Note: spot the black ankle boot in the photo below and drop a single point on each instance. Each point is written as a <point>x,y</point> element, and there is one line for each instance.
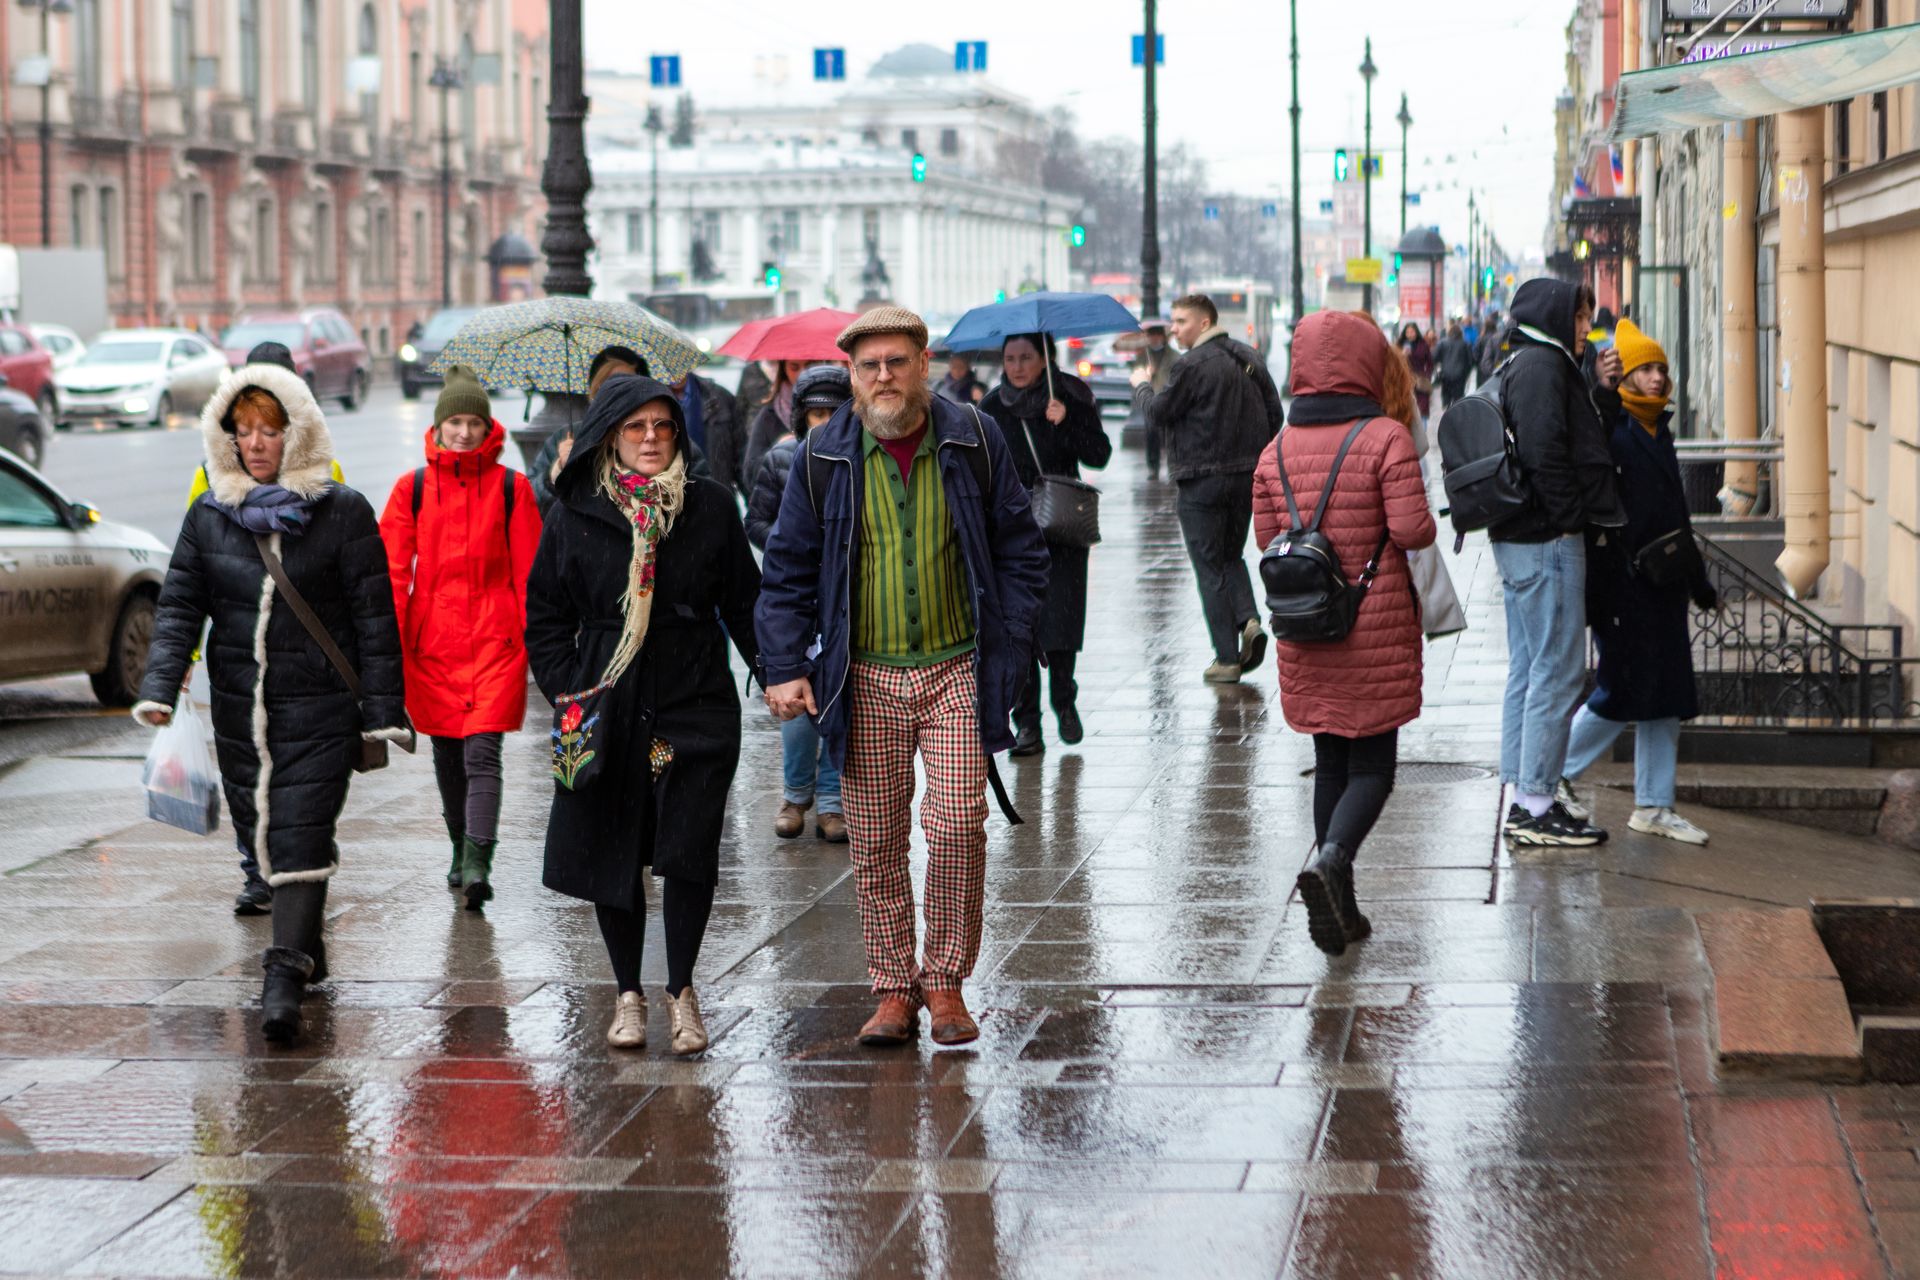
<point>319,974</point>
<point>1320,886</point>
<point>1027,740</point>
<point>287,974</point>
<point>1358,927</point>
<point>1071,730</point>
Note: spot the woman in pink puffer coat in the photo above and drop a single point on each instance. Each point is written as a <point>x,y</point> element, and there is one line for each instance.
<point>1352,695</point>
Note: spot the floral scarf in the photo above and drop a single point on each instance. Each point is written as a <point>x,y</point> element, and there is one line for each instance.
<point>651,506</point>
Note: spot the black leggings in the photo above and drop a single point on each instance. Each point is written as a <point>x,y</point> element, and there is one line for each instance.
<point>468,771</point>
<point>684,908</point>
<point>1352,778</point>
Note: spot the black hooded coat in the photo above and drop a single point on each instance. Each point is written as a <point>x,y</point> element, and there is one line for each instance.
<point>679,689</point>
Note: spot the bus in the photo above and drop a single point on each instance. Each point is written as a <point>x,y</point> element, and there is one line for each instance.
<point>1246,311</point>
<point>711,315</point>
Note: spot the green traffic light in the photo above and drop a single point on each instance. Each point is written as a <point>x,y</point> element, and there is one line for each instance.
<point>919,167</point>
<point>773,277</point>
<point>1341,167</point>
<point>1078,236</point>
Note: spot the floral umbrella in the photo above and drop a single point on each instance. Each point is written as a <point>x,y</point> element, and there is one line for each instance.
<point>547,344</point>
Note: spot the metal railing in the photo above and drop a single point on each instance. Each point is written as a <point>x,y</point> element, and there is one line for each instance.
<point>1767,457</point>
<point>1763,658</point>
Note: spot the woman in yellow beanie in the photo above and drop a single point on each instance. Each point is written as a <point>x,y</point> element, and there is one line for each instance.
<point>1638,588</point>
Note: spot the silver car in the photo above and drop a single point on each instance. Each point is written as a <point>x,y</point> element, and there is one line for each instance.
<point>64,344</point>
<point>134,377</point>
<point>77,593</point>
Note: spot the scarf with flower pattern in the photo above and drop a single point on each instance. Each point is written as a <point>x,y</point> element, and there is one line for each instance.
<point>651,505</point>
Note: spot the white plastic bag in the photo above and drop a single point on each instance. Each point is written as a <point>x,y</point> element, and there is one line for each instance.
<point>182,781</point>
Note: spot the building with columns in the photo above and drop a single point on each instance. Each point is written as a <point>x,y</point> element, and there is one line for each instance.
<point>234,155</point>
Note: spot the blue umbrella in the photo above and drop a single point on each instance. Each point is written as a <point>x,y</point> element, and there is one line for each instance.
<point>1063,315</point>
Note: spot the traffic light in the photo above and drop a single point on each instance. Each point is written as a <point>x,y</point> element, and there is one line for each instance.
<point>1077,236</point>
<point>770,274</point>
<point>919,167</point>
<point>1393,276</point>
<point>1341,166</point>
<point>1486,280</point>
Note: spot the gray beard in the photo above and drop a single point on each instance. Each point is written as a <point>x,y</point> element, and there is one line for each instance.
<point>896,424</point>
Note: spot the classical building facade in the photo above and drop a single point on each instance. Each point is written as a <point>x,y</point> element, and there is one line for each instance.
<point>235,155</point>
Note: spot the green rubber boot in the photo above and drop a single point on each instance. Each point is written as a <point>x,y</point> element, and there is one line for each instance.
<point>476,864</point>
<point>453,871</point>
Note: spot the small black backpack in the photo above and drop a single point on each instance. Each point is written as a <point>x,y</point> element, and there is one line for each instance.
<point>1309,599</point>
<point>1479,460</point>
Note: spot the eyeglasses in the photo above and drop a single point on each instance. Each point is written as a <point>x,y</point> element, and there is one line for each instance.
<point>646,430</point>
<point>870,369</point>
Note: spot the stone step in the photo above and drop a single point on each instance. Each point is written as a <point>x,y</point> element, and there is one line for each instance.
<point>1831,799</point>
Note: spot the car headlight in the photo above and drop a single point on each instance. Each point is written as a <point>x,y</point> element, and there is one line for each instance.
<point>135,404</point>
<point>705,345</point>
<point>409,354</point>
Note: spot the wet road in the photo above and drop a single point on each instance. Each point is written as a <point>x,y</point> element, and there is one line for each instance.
<point>1509,1080</point>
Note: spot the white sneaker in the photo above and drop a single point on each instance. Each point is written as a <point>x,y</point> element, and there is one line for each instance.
<point>1665,822</point>
<point>629,1029</point>
<point>1576,808</point>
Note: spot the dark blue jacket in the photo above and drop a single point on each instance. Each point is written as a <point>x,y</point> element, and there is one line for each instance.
<point>806,583</point>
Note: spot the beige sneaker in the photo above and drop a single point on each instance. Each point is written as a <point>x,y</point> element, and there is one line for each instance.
<point>1221,673</point>
<point>629,1029</point>
<point>689,1032</point>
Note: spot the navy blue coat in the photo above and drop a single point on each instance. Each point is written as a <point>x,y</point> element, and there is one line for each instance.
<point>806,583</point>
<point>1642,631</point>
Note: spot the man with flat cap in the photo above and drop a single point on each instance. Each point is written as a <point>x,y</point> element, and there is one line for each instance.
<point>898,600</point>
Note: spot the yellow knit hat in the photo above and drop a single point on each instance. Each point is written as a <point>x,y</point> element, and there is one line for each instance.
<point>1636,348</point>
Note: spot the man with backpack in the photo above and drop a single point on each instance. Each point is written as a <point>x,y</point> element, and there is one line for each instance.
<point>1560,445</point>
<point>899,597</point>
<point>1218,411</point>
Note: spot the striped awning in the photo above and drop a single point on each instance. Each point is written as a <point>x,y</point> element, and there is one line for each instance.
<point>1689,95</point>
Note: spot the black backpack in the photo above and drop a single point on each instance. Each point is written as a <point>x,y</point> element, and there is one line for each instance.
<point>1308,596</point>
<point>1480,461</point>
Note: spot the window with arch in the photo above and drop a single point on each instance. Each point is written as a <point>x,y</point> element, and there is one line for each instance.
<point>250,52</point>
<point>266,251</point>
<point>183,45</point>
<point>87,39</point>
<point>325,261</point>
<point>369,46</point>
<point>422,249</point>
<point>199,235</point>
<point>383,245</point>
<point>80,214</point>
<point>469,99</point>
<point>310,54</point>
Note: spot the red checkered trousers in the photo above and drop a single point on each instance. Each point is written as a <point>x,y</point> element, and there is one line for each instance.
<point>897,711</point>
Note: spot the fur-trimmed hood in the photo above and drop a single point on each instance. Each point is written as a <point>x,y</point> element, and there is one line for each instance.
<point>306,468</point>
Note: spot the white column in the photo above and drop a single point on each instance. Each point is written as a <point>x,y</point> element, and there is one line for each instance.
<point>829,251</point>
<point>911,287</point>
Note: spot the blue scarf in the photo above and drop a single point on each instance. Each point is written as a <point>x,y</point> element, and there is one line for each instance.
<point>270,509</point>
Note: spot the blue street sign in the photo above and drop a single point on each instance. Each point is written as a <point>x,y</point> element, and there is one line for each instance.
<point>1269,210</point>
<point>970,55</point>
<point>1413,197</point>
<point>1326,206</point>
<point>1211,213</point>
<point>664,70</point>
<point>1159,50</point>
<point>1373,165</point>
<point>829,64</point>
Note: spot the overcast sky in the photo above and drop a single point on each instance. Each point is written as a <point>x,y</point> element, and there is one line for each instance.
<point>1480,79</point>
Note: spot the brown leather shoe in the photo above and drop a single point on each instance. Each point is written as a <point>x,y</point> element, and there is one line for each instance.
<point>893,1023</point>
<point>832,828</point>
<point>790,821</point>
<point>952,1024</point>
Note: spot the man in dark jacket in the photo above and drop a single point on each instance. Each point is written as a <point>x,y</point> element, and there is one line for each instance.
<point>1542,554</point>
<point>713,423</point>
<point>1491,349</point>
<point>1218,411</point>
<point>899,596</point>
<point>1454,362</point>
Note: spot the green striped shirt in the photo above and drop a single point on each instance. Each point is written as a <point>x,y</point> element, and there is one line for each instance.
<point>913,609</point>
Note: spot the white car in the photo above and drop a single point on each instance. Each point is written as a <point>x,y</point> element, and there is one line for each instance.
<point>131,377</point>
<point>63,343</point>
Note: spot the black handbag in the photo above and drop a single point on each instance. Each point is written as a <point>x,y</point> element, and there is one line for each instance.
<point>1309,599</point>
<point>373,751</point>
<point>1067,510</point>
<point>1670,560</point>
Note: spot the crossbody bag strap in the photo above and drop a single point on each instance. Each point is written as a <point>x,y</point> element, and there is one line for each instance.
<point>304,611</point>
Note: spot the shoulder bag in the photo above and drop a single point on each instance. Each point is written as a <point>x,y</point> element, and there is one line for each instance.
<point>1067,510</point>
<point>1670,560</point>
<point>373,751</point>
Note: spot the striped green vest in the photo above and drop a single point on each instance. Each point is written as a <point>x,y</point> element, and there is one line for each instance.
<point>911,608</point>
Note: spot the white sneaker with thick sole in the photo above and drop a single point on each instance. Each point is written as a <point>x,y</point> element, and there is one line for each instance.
<point>1571,802</point>
<point>1667,823</point>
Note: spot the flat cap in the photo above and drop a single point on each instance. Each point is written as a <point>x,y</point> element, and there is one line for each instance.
<point>883,320</point>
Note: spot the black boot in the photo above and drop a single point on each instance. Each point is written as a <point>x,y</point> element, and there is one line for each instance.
<point>476,864</point>
<point>319,954</point>
<point>1319,885</point>
<point>453,870</point>
<point>1358,927</point>
<point>255,899</point>
<point>1027,740</point>
<point>287,974</point>
<point>1071,730</point>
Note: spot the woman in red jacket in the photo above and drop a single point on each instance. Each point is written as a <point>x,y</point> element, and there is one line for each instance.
<point>1353,694</point>
<point>461,533</point>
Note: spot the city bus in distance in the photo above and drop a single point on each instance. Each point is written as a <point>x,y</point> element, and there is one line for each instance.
<point>1246,311</point>
<point>710,315</point>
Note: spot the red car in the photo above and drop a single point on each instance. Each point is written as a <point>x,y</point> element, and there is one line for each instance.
<point>28,366</point>
<point>326,350</point>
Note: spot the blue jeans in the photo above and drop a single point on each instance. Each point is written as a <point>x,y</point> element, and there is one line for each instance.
<point>807,771</point>
<point>1545,586</point>
<point>1656,754</point>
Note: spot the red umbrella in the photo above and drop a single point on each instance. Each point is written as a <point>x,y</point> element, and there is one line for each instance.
<point>804,335</point>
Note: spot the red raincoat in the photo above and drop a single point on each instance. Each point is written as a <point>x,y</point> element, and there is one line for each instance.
<point>460,589</point>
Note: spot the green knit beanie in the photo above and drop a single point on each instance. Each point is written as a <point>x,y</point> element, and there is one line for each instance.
<point>462,394</point>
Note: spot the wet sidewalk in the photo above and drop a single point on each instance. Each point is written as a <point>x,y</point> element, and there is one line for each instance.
<point>1510,1080</point>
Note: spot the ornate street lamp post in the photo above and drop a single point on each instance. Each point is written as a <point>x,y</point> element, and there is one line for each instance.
<point>1150,196</point>
<point>47,9</point>
<point>447,78</point>
<point>566,178</point>
<point>654,125</point>
<point>1406,122</point>
<point>1299,289</point>
<point>1367,72</point>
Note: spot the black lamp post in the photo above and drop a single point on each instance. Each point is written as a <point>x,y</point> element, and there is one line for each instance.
<point>655,123</point>
<point>447,78</point>
<point>1367,72</point>
<point>47,9</point>
<point>566,178</point>
<point>1473,255</point>
<point>1406,122</point>
<point>1150,194</point>
<point>1299,289</point>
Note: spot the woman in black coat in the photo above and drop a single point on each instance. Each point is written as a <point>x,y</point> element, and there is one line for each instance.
<point>639,566</point>
<point>1052,424</point>
<point>1640,628</point>
<point>287,729</point>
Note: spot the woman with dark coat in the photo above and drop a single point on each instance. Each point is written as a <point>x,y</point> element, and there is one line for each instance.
<point>1419,356</point>
<point>1353,694</point>
<point>1052,425</point>
<point>640,565</point>
<point>773,419</point>
<point>1640,629</point>
<point>287,729</point>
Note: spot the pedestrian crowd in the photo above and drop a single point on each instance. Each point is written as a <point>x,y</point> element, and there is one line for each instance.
<point>917,598</point>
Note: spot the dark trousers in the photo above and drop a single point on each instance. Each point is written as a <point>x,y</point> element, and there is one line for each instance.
<point>684,908</point>
<point>1352,778</point>
<point>299,912</point>
<point>1062,690</point>
<point>468,771</point>
<point>1215,514</point>
<point>1153,449</point>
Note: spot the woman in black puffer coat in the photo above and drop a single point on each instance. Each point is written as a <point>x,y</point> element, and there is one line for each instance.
<point>287,730</point>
